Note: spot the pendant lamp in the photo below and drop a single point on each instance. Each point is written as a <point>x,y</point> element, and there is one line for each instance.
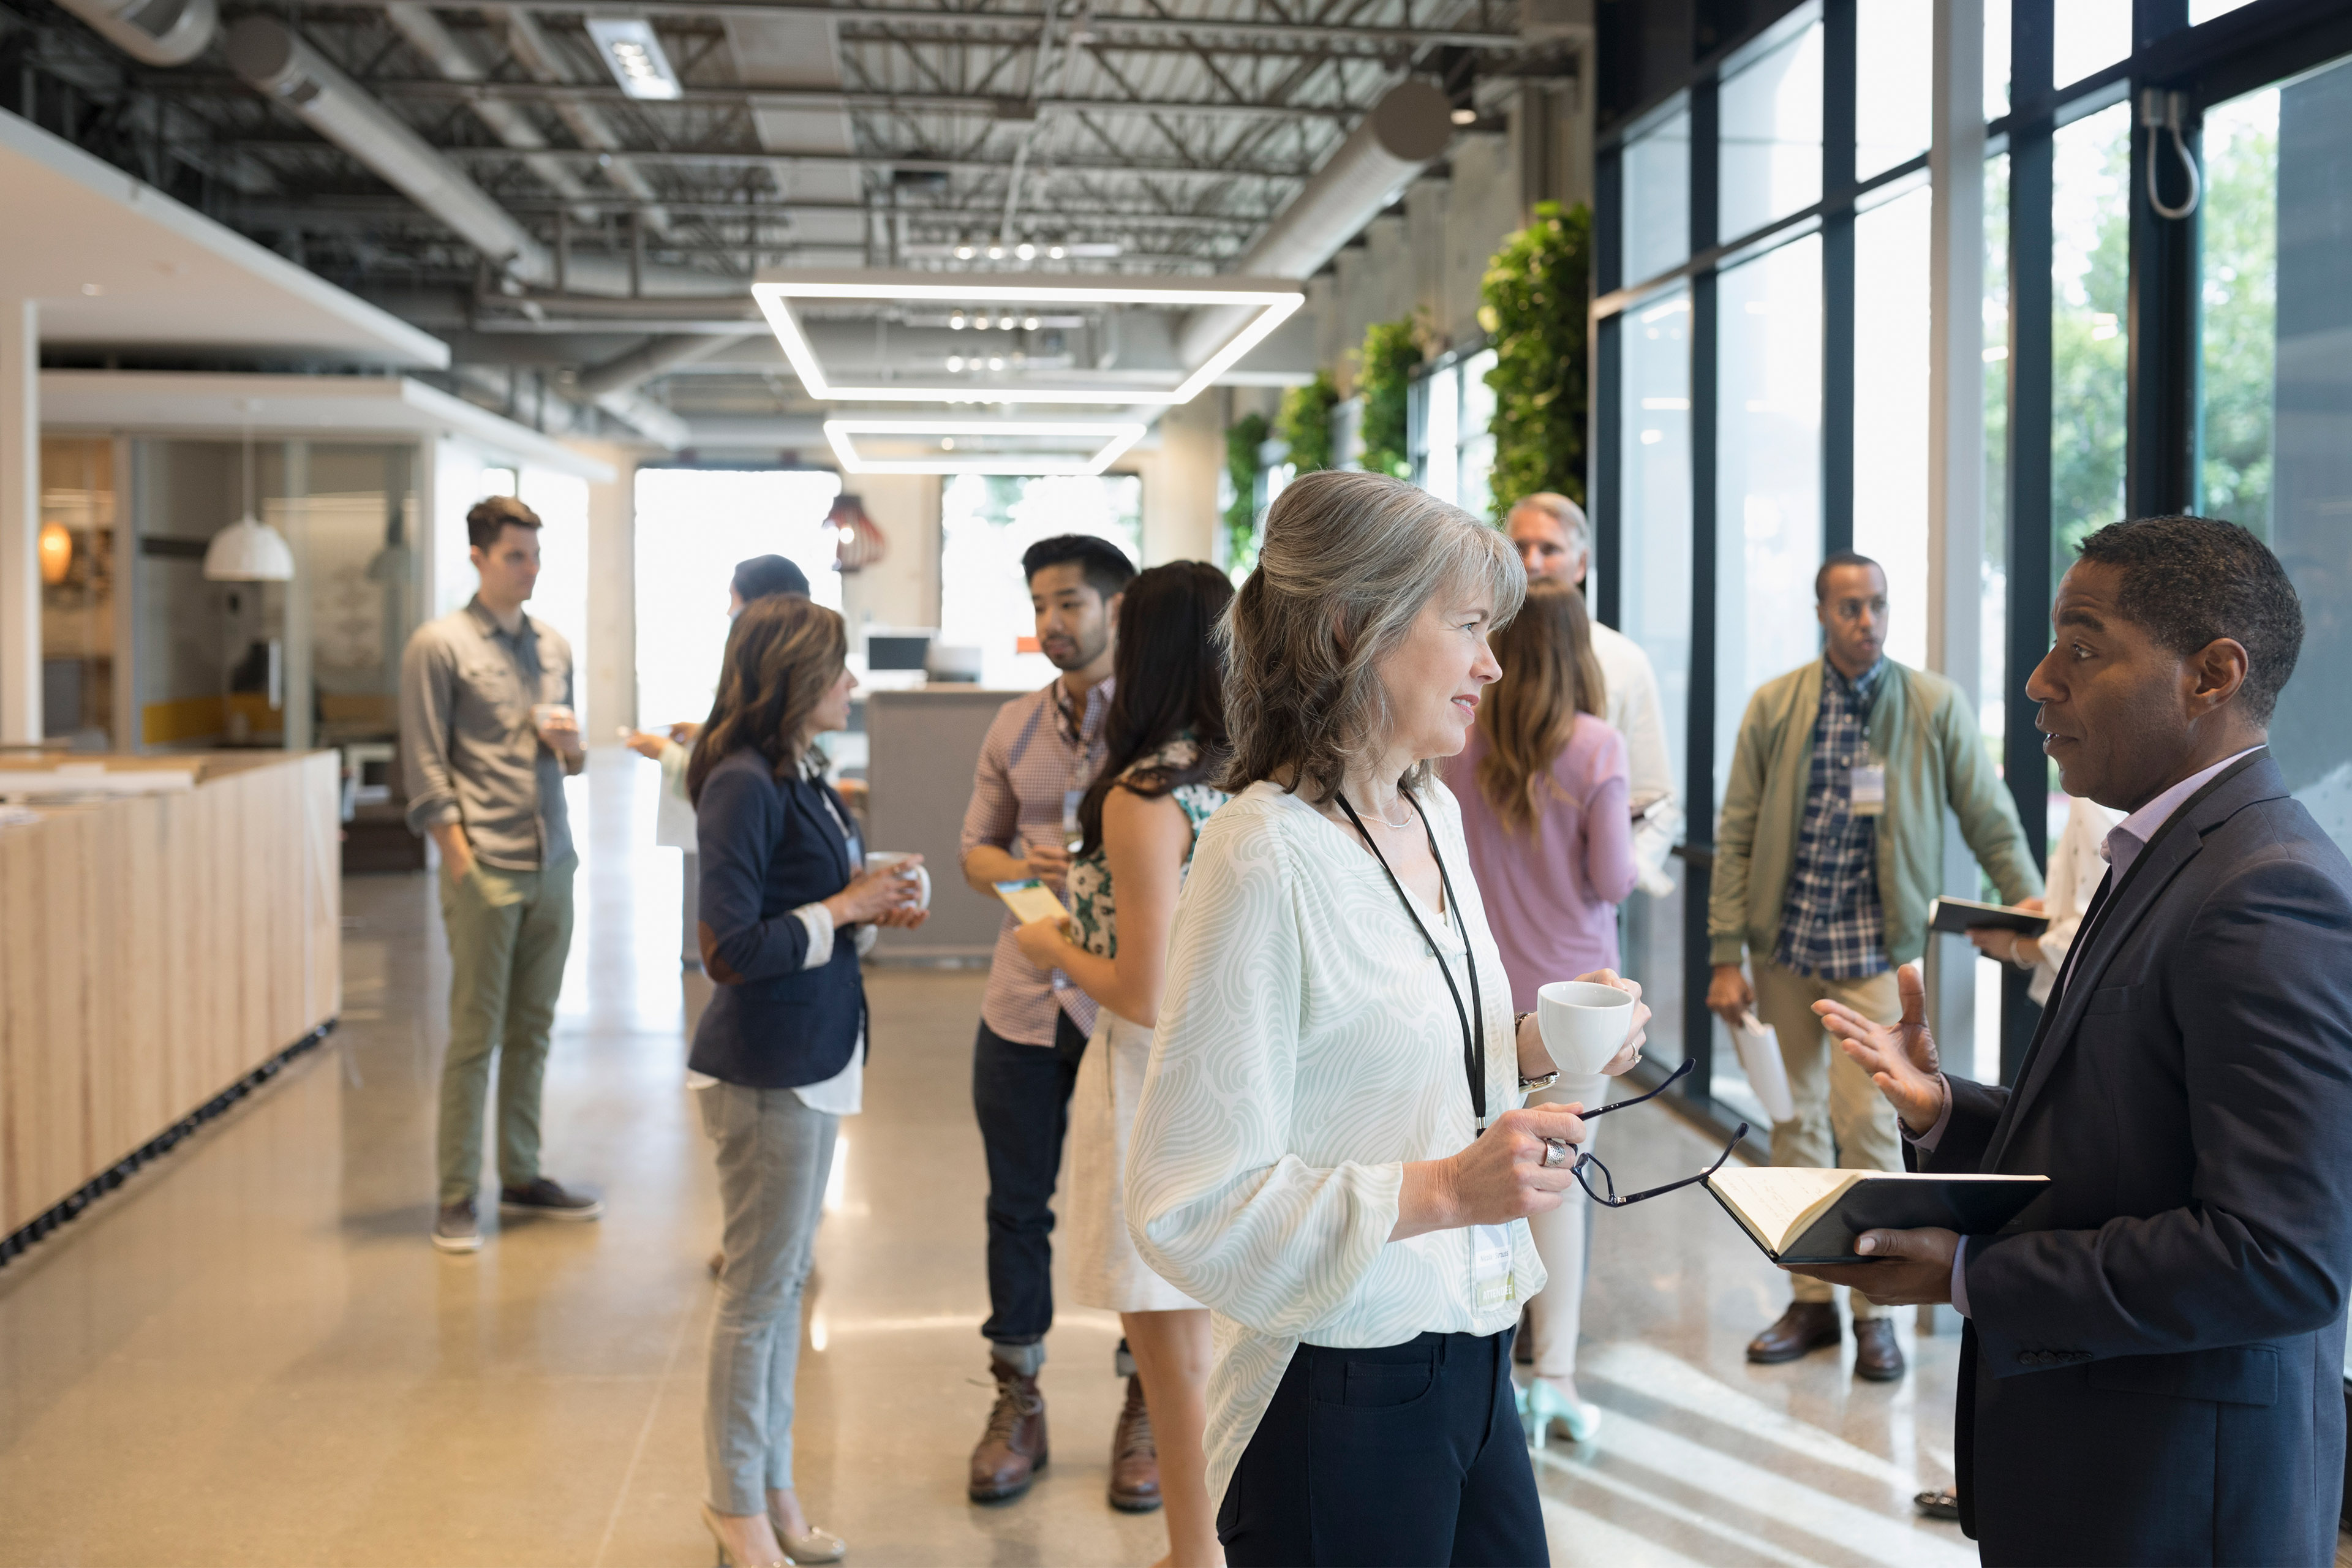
<point>248,550</point>
<point>858,543</point>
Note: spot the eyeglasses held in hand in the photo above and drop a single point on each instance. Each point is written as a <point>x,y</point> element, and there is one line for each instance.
<point>1609,1196</point>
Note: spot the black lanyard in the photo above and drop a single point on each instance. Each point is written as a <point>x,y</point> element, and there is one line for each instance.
<point>1474,1041</point>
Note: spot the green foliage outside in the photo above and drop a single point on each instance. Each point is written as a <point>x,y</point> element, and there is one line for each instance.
<point>1303,425</point>
<point>2089,363</point>
<point>1533,304</point>
<point>2241,329</point>
<point>1389,352</point>
<point>1243,439</point>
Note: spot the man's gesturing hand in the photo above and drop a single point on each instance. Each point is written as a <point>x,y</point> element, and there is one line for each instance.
<point>1900,1060</point>
<point>1917,1270</point>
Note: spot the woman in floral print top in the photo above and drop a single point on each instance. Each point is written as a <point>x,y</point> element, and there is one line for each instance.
<point>1166,734</point>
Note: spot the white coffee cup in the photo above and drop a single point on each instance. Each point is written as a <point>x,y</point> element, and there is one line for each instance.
<point>880,860</point>
<point>1583,1023</point>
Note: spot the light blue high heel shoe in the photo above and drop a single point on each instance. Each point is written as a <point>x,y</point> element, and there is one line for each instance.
<point>1540,1405</point>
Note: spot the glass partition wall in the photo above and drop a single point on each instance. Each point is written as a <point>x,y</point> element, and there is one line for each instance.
<point>1765,234</point>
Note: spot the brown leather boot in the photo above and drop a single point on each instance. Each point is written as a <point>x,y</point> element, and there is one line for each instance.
<point>1134,1457</point>
<point>1877,1357</point>
<point>1805,1327</point>
<point>1012,1450</point>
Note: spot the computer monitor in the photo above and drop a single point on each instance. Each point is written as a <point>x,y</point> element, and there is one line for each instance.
<point>897,650</point>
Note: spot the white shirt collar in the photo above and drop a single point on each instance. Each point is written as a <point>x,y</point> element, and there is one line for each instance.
<point>2135,833</point>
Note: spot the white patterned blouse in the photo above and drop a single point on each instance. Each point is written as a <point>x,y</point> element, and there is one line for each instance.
<point>1308,1049</point>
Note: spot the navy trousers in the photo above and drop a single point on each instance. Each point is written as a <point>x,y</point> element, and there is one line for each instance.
<point>1406,1453</point>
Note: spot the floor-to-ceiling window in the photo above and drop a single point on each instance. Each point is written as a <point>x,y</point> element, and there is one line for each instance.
<point>1763,362</point>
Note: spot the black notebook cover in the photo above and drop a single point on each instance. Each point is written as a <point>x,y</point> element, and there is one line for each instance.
<point>1960,916</point>
<point>1973,1205</point>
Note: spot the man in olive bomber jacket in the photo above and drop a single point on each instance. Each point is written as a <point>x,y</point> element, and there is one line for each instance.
<point>1828,850</point>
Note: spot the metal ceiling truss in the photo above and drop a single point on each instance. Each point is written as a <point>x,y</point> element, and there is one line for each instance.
<point>1170,130</point>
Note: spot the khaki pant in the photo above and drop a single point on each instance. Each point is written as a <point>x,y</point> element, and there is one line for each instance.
<point>509,933</point>
<point>1842,1118</point>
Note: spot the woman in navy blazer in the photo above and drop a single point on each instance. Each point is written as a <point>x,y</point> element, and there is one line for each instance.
<point>779,1058</point>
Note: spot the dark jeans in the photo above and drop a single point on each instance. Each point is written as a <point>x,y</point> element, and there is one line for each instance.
<point>1022,1095</point>
<point>1403,1454</point>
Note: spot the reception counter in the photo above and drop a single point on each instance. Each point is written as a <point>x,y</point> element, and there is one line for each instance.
<point>168,932</point>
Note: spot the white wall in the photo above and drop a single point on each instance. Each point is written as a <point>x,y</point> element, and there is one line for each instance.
<point>609,682</point>
<point>903,589</point>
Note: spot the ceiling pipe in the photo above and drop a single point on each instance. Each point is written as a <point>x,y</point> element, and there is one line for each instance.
<point>1403,135</point>
<point>152,32</point>
<point>654,357</point>
<point>536,53</point>
<point>508,121</point>
<point>281,65</point>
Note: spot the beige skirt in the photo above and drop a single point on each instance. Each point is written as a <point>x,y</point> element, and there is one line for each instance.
<point>1105,1271</point>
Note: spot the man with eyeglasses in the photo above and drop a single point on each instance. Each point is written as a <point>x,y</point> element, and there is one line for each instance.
<point>1830,850</point>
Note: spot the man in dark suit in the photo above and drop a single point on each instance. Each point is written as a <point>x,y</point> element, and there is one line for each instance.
<point>2150,1371</point>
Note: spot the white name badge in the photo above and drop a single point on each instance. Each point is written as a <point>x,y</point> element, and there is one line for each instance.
<point>1866,791</point>
<point>1071,800</point>
<point>1490,1265</point>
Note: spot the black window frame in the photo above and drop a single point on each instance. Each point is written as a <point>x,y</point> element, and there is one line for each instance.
<point>2238,52</point>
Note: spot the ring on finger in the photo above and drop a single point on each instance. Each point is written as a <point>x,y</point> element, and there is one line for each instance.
<point>1555,1153</point>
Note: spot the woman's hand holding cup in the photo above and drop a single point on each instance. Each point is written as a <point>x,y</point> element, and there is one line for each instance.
<point>879,896</point>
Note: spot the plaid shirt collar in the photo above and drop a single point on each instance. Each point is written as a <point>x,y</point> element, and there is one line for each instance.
<point>1862,689</point>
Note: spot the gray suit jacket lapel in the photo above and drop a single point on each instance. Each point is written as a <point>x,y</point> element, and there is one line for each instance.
<point>2162,861</point>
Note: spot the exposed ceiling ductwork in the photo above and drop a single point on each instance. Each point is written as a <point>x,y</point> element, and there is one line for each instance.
<point>152,32</point>
<point>537,54</point>
<point>279,65</point>
<point>1404,134</point>
<point>509,123</point>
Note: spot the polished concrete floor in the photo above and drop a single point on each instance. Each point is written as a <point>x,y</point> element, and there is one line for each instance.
<point>251,1356</point>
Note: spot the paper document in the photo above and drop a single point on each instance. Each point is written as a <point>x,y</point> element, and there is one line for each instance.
<point>1758,1044</point>
<point>1030,900</point>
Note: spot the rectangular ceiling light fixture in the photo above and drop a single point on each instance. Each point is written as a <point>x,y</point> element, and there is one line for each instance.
<point>1266,303</point>
<point>634,57</point>
<point>1026,446</point>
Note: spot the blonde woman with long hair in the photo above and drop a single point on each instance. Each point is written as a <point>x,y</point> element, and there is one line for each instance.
<point>1543,786</point>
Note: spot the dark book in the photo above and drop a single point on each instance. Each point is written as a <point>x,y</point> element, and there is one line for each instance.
<point>1805,1214</point>
<point>1961,916</point>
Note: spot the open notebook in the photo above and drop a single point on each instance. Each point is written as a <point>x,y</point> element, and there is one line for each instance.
<point>1803,1215</point>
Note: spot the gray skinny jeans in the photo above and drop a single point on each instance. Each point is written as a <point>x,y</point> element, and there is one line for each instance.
<point>774,1154</point>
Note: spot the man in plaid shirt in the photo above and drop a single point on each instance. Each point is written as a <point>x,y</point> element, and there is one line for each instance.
<point>1830,850</point>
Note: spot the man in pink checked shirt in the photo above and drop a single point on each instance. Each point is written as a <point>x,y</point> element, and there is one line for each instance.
<point>1040,755</point>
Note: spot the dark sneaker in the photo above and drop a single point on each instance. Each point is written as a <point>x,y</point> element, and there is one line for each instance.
<point>458,1230</point>
<point>544,1197</point>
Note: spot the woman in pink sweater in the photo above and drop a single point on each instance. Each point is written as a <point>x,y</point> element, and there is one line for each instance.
<point>1543,790</point>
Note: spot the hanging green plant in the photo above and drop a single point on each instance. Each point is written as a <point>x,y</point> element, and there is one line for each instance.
<point>1243,439</point>
<point>1533,305</point>
<point>1305,423</point>
<point>1389,352</point>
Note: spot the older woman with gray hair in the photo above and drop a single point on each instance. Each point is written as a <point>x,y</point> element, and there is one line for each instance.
<point>1329,1149</point>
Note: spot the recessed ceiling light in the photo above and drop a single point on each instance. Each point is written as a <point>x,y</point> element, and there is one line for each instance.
<point>1271,301</point>
<point>1466,116</point>
<point>1026,251</point>
<point>980,322</point>
<point>1030,323</point>
<point>996,253</point>
<point>1006,322</point>
<point>955,321</point>
<point>964,253</point>
<point>1116,436</point>
<point>955,363</point>
<point>996,362</point>
<point>634,57</point>
<point>1057,252</point>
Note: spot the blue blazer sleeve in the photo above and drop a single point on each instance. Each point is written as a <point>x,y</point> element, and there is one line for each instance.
<point>739,822</point>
